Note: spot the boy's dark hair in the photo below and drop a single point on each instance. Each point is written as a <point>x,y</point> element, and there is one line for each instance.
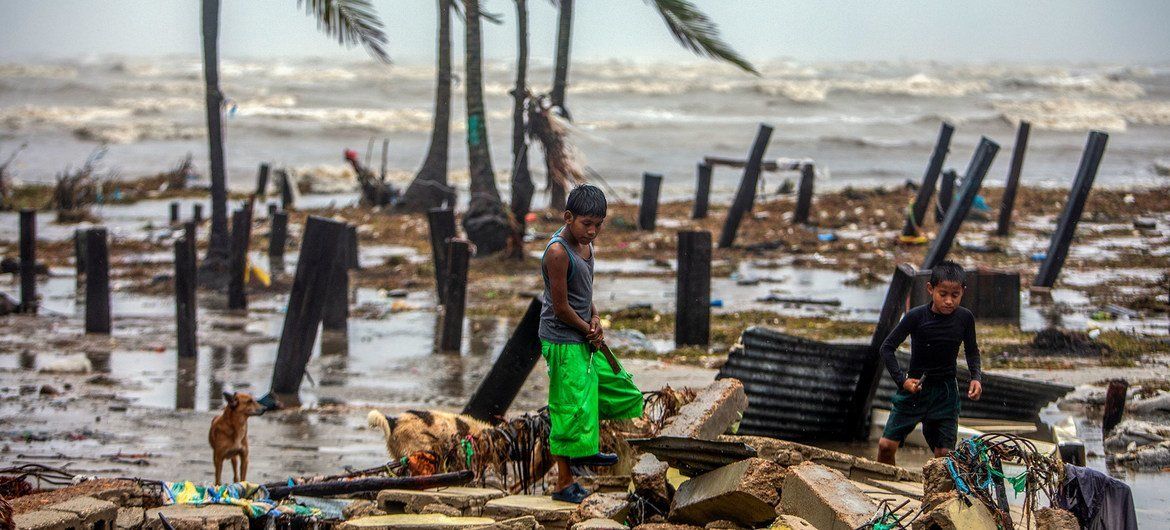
<point>948,271</point>
<point>586,199</point>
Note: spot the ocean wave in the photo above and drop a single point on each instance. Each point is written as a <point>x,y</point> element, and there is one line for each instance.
<point>31,115</point>
<point>41,71</point>
<point>1065,114</point>
<point>1097,85</point>
<point>795,91</point>
<point>856,141</point>
<point>141,131</point>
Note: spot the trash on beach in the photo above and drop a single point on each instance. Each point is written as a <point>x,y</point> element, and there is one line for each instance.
<point>827,237</point>
<point>716,302</point>
<point>778,299</point>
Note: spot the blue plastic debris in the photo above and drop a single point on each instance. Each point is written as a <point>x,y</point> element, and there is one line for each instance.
<point>829,237</point>
<point>716,302</point>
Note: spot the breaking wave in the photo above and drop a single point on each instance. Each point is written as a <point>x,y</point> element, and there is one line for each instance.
<point>1065,114</point>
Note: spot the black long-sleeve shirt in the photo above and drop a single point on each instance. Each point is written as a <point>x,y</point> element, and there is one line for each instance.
<point>934,344</point>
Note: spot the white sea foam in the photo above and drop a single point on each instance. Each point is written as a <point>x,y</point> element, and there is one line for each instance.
<point>139,131</point>
<point>1066,114</point>
<point>40,71</point>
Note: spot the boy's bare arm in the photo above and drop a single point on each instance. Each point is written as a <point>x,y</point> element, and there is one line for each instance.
<point>556,266</point>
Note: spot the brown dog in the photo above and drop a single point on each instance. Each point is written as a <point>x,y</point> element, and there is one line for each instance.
<point>423,430</point>
<point>229,434</point>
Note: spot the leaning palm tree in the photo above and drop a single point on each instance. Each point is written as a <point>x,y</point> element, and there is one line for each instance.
<point>429,189</point>
<point>690,27</point>
<point>486,222</point>
<point>522,186</point>
<point>352,22</point>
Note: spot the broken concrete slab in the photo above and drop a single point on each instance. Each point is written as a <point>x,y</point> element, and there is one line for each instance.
<point>825,498</point>
<point>46,520</point>
<point>361,508</point>
<point>547,511</point>
<point>92,513</point>
<point>414,521</point>
<point>957,515</point>
<point>791,522</point>
<point>1056,519</point>
<point>723,524</point>
<point>788,453</point>
<point>599,524</point>
<point>613,506</point>
<point>936,478</point>
<point>649,476</point>
<point>605,483</point>
<point>526,522</point>
<point>188,517</point>
<point>744,492</point>
<point>667,526</point>
<point>130,518</point>
<point>713,411</point>
<point>469,501</point>
<point>442,509</point>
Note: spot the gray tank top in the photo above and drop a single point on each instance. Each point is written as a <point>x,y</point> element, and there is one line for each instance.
<point>580,286</point>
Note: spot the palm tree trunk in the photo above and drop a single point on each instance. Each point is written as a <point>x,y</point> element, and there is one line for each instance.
<point>429,189</point>
<point>213,270</point>
<point>486,222</point>
<point>557,98</point>
<point>522,186</point>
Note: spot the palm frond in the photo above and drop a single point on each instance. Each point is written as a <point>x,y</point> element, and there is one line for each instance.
<point>698,33</point>
<point>494,18</point>
<point>352,22</point>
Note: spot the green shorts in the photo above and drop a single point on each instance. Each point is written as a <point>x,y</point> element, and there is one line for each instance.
<point>936,406</point>
<point>582,390</point>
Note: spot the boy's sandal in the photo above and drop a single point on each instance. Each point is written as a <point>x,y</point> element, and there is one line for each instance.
<point>597,460</point>
<point>573,493</point>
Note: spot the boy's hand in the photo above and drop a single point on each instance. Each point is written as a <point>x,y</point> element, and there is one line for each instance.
<point>975,390</point>
<point>595,336</point>
<point>912,385</point>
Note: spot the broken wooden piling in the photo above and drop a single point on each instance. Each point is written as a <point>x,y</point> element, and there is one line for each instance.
<point>746,194</point>
<point>458,258</point>
<point>871,372</point>
<point>804,196</point>
<point>197,212</point>
<point>262,182</point>
<point>916,217</point>
<point>97,282</point>
<point>1073,207</point>
<point>980,162</point>
<point>352,260</point>
<point>1115,395</point>
<point>702,191</point>
<point>278,234</point>
<point>185,281</point>
<point>241,236</point>
<point>319,254</point>
<point>442,228</point>
<point>79,256</point>
<point>288,196</point>
<point>946,194</point>
<point>692,315</point>
<point>648,209</point>
<point>28,261</point>
<point>336,314</point>
<point>1003,227</point>
<point>508,374</point>
<point>174,213</point>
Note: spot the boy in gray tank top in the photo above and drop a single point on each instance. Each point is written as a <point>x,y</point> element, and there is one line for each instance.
<point>583,388</point>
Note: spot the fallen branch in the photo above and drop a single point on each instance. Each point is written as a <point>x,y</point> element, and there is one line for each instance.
<point>347,487</point>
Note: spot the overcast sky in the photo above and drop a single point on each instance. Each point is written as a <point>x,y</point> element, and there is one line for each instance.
<point>1110,31</point>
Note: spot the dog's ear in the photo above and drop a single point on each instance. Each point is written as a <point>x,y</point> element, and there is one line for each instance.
<point>230,399</point>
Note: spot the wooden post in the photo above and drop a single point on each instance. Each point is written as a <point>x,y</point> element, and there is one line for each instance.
<point>871,371</point>
<point>336,312</point>
<point>287,193</point>
<point>319,254</point>
<point>185,281</point>
<point>917,215</point>
<point>442,225</point>
<point>1003,228</point>
<point>28,261</point>
<point>946,194</point>
<point>351,255</point>
<point>1114,405</point>
<point>458,256</point>
<point>79,256</point>
<point>241,236</point>
<point>1073,207</point>
<point>808,174</point>
<point>648,210</point>
<point>746,194</point>
<point>262,182</point>
<point>174,213</point>
<point>272,209</point>
<point>278,234</point>
<point>692,314</point>
<point>185,382</point>
<point>984,154</point>
<point>702,191</point>
<point>97,282</point>
<point>197,212</point>
<point>501,385</point>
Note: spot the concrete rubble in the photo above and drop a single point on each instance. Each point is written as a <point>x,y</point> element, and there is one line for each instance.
<point>825,498</point>
<point>79,512</point>
<point>791,522</point>
<point>1056,519</point>
<point>714,410</point>
<point>649,476</point>
<point>598,524</point>
<point>546,511</point>
<point>744,492</point>
<point>614,506</point>
<point>467,501</point>
<point>955,514</point>
<point>187,517</point>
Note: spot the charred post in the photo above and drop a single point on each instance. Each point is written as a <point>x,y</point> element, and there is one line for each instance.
<point>648,210</point>
<point>1073,207</point>
<point>984,154</point>
<point>871,372</point>
<point>174,213</point>
<point>442,225</point>
<point>28,261</point>
<point>97,282</point>
<point>501,385</point>
<point>185,281</point>
<point>1114,405</point>
<point>337,297</point>
<point>241,236</point>
<point>1004,226</point>
<point>278,234</point>
<point>946,194</point>
<point>808,174</point>
<point>917,214</point>
<point>692,315</point>
<point>702,191</point>
<point>745,196</point>
<point>458,258</point>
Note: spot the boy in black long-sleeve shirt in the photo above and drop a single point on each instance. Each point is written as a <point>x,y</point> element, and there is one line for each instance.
<point>928,393</point>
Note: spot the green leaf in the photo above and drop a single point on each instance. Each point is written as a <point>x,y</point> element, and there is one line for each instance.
<point>352,22</point>
<point>698,33</point>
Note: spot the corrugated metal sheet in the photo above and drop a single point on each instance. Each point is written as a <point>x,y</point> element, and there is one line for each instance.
<point>693,457</point>
<point>801,389</point>
<point>1004,397</point>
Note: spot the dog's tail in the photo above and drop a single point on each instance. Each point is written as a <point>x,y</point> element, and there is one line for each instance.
<point>381,421</point>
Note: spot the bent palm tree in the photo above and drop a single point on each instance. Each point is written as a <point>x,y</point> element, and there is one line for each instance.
<point>352,22</point>
<point>689,26</point>
<point>522,187</point>
<point>429,189</point>
<point>486,222</point>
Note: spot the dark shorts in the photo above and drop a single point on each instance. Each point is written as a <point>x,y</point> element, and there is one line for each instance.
<point>936,406</point>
